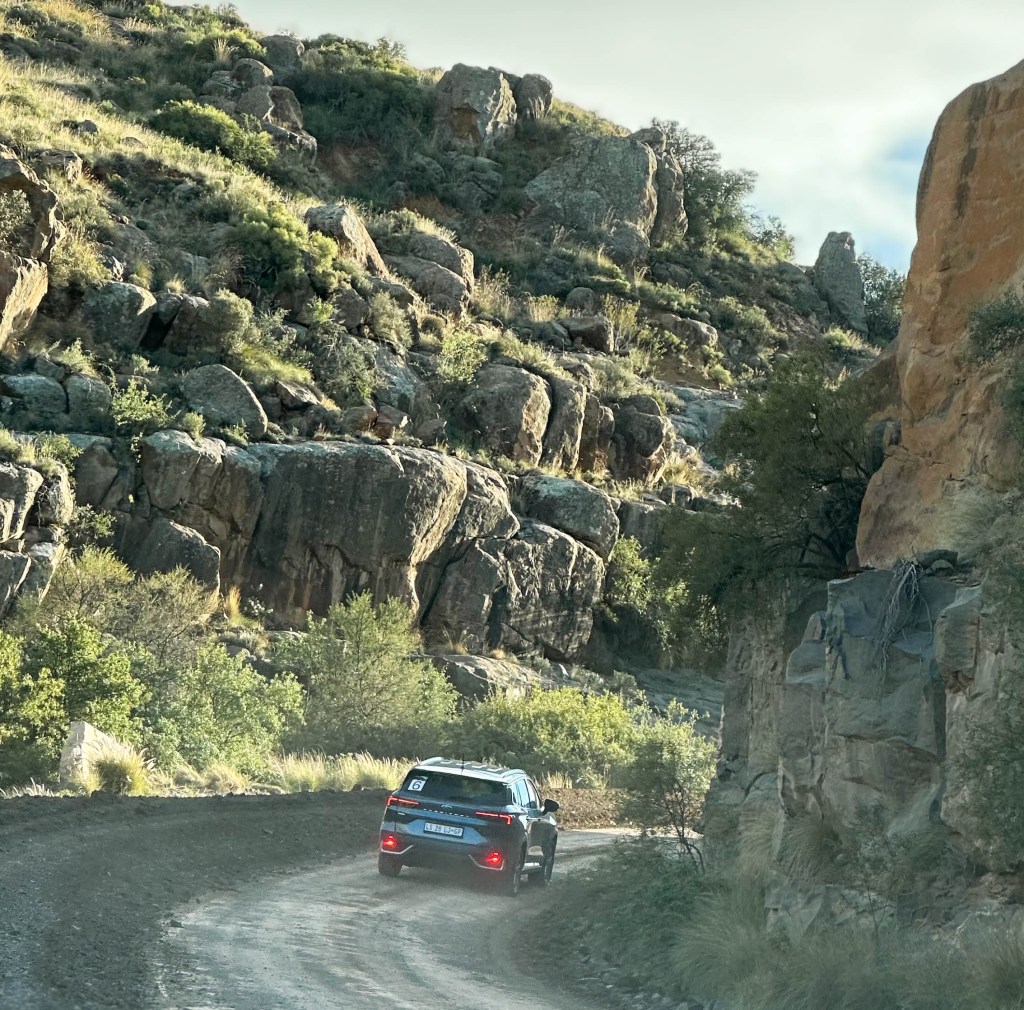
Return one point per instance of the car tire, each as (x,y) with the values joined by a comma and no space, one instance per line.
(543,876)
(512,878)
(387,865)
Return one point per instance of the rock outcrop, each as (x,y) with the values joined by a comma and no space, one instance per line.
(838,280)
(302,526)
(616,185)
(24,277)
(475,107)
(970,249)
(340,222)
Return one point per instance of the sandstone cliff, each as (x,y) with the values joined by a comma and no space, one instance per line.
(970,249)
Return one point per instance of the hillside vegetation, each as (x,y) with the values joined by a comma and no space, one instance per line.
(260,240)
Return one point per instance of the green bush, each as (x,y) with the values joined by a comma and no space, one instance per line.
(136,410)
(277,251)
(749,322)
(365,693)
(213,130)
(589,737)
(798,511)
(31,717)
(997,326)
(219,709)
(629,575)
(461,356)
(344,367)
(388,320)
(669,776)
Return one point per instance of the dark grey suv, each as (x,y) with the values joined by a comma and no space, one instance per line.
(479,816)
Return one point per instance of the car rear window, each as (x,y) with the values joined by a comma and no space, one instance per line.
(456,788)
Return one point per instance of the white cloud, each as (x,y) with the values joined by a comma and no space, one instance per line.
(816,97)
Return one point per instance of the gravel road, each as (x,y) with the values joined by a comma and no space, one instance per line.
(345,937)
(91,887)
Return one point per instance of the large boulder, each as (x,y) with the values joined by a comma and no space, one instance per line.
(508,408)
(340,222)
(533,95)
(119,314)
(89,402)
(443,252)
(224,399)
(641,445)
(475,107)
(16,177)
(478,677)
(954,439)
(671,216)
(19,486)
(594,332)
(537,590)
(565,424)
(284,54)
(337,518)
(603,182)
(37,401)
(169,546)
(84,745)
(838,280)
(441,287)
(23,284)
(574,507)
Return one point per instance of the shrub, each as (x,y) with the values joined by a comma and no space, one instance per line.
(219,709)
(123,771)
(798,511)
(629,575)
(388,320)
(589,737)
(277,252)
(884,289)
(749,322)
(136,410)
(96,685)
(365,693)
(669,776)
(996,326)
(31,717)
(344,366)
(461,356)
(213,130)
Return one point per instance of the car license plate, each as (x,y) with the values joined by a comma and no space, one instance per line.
(443,829)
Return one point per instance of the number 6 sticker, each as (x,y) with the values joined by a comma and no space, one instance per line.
(416,786)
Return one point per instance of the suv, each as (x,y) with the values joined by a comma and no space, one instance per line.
(476,815)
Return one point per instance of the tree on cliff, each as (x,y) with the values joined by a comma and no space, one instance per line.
(797,471)
(883,299)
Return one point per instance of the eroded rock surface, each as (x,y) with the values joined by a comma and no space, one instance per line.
(970,249)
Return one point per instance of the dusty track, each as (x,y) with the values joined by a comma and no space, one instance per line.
(89,889)
(345,937)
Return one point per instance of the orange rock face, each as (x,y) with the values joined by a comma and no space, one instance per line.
(970,249)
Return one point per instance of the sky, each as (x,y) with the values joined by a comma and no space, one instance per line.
(831,103)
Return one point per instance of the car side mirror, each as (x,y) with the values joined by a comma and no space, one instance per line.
(551,806)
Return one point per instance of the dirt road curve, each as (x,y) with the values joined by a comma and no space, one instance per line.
(343,937)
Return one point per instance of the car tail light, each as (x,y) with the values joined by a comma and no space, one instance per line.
(505,819)
(494,860)
(397,801)
(389,843)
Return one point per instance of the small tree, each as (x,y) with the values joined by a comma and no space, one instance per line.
(365,692)
(669,776)
(220,709)
(883,299)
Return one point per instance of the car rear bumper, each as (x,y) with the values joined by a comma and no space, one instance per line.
(415,850)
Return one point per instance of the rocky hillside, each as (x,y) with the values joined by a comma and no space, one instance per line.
(317,322)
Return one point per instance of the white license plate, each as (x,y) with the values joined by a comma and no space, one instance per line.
(442,829)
